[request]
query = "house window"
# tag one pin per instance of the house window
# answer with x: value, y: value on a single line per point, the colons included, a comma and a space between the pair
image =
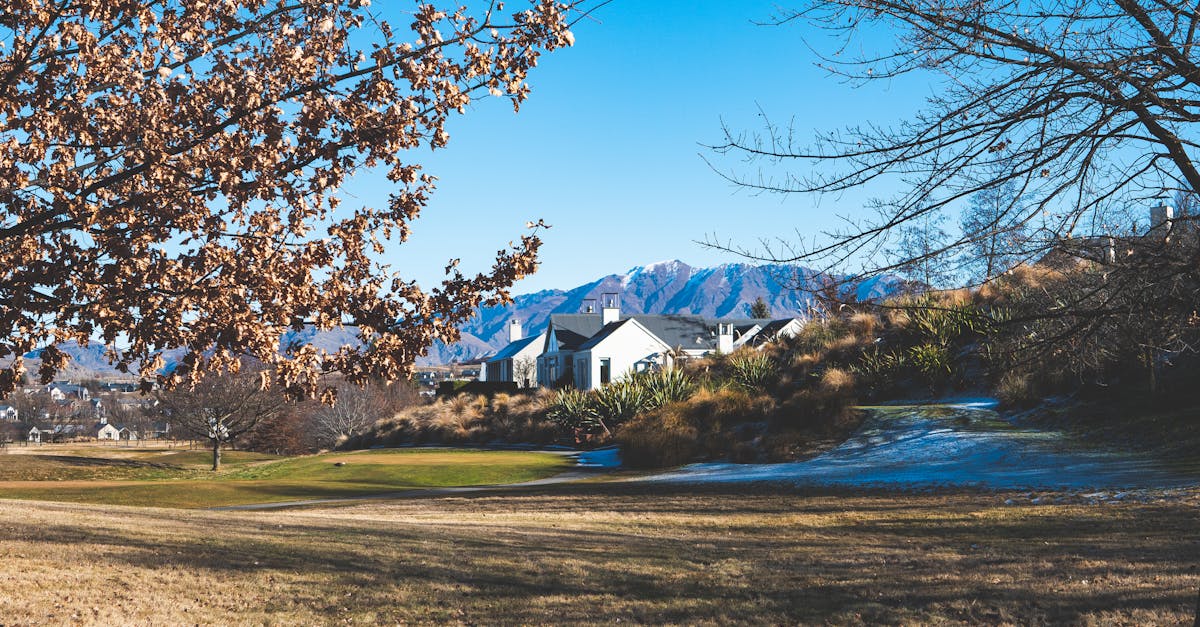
x: 605, y: 371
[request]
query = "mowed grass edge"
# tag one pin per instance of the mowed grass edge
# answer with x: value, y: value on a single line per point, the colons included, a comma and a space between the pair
x: 311, y: 477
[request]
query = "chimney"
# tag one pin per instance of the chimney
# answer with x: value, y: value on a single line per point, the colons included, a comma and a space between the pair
x: 589, y: 306
x: 1160, y: 219
x: 725, y: 337
x: 610, y: 308
x: 514, y: 330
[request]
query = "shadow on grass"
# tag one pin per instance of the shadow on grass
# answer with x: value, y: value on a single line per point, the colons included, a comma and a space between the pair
x: 601, y: 553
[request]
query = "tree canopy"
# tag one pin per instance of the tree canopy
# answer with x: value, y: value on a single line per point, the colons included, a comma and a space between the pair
x: 169, y: 176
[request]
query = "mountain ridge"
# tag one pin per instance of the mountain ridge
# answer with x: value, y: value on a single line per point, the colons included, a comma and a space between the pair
x: 663, y: 287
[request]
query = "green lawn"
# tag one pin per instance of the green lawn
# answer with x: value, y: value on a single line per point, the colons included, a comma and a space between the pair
x: 175, y: 478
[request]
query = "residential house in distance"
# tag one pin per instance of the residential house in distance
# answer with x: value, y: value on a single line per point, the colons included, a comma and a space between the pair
x: 9, y: 413
x: 65, y: 390
x: 591, y: 349
x: 516, y: 362
x: 103, y: 430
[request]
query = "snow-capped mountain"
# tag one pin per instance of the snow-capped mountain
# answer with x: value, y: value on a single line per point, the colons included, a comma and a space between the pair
x: 666, y: 287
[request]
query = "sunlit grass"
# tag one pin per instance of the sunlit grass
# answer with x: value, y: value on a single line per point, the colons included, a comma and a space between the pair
x: 177, y: 479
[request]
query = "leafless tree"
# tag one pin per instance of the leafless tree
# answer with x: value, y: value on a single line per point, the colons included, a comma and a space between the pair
x: 525, y: 372
x: 221, y: 407
x: 1085, y: 111
x: 356, y: 409
x: 996, y: 244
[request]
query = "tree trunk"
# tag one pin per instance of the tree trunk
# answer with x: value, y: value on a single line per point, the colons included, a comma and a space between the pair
x: 216, y: 455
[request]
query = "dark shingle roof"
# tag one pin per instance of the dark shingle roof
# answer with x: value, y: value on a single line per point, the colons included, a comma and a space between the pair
x: 572, y: 330
x: 513, y: 348
x: 678, y: 331
x: 603, y: 333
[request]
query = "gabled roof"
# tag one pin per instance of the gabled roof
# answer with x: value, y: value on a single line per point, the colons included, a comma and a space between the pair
x: 572, y: 330
x: 510, y: 351
x: 611, y: 328
x: 604, y: 333
x: 770, y: 330
x: 678, y: 331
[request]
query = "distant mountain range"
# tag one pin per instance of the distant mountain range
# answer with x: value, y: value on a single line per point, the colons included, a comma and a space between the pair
x: 668, y: 287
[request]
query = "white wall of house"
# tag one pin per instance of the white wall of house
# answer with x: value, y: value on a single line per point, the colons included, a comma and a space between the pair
x: 523, y: 366
x: 628, y: 349
x: 108, y: 432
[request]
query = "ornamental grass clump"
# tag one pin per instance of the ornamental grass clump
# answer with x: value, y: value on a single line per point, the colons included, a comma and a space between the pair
x: 574, y: 409
x: 466, y: 419
x: 704, y: 426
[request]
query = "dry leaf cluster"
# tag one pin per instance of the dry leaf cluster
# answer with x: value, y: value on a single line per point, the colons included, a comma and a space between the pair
x: 169, y: 176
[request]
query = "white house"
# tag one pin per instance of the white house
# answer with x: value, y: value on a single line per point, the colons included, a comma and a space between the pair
x: 516, y: 362
x: 9, y: 413
x: 63, y: 390
x: 591, y: 349
x: 619, y: 348
x: 105, y: 431
x: 564, y: 334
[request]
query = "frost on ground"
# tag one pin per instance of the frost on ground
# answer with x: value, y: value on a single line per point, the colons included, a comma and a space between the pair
x: 960, y: 444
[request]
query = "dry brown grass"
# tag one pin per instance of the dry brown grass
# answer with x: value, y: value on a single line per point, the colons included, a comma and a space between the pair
x: 864, y: 324
x: 598, y: 557
x: 837, y: 381
x: 466, y: 418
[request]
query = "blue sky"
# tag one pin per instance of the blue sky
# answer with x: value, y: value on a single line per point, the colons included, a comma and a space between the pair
x: 608, y: 147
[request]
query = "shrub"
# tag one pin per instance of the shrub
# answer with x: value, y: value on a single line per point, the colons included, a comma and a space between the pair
x: 864, y: 324
x: 573, y: 409
x: 620, y: 401
x: 932, y: 360
x: 465, y: 419
x: 819, y: 407
x: 1016, y: 390
x: 701, y: 426
x: 666, y: 386
x: 752, y: 370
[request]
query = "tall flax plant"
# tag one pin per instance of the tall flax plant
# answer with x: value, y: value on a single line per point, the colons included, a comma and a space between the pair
x: 666, y: 386
x: 572, y: 408
x: 753, y: 371
x: 622, y: 400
